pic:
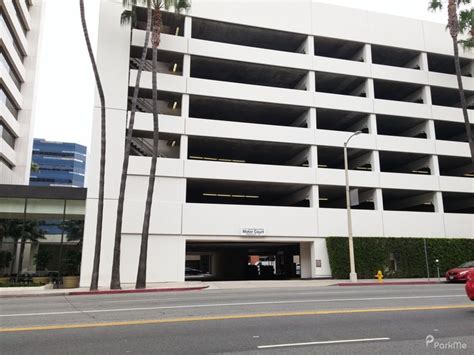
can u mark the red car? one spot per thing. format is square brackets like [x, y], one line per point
[470, 285]
[460, 273]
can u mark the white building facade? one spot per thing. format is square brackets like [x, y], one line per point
[255, 105]
[20, 22]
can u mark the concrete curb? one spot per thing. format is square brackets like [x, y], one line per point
[145, 290]
[104, 292]
[394, 283]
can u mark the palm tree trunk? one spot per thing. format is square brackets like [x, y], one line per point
[453, 24]
[457, 64]
[100, 204]
[15, 249]
[115, 282]
[141, 274]
[20, 257]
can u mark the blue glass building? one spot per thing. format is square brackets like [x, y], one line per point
[59, 164]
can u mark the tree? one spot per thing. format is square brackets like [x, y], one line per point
[461, 22]
[178, 5]
[100, 204]
[20, 231]
[128, 16]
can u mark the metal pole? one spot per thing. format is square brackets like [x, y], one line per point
[426, 259]
[353, 274]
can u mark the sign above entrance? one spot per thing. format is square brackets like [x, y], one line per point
[252, 232]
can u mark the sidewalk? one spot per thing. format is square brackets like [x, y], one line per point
[211, 285]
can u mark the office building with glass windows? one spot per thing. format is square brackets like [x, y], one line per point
[20, 22]
[255, 106]
[58, 164]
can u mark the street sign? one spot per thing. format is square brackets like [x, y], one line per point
[252, 231]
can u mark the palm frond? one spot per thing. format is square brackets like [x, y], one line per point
[126, 17]
[435, 5]
[466, 20]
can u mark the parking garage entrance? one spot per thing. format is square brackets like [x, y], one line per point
[242, 261]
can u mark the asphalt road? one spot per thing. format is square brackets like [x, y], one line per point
[387, 319]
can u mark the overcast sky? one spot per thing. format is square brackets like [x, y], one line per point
[65, 82]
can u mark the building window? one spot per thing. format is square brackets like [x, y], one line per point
[7, 135]
[8, 30]
[8, 68]
[6, 163]
[16, 7]
[8, 102]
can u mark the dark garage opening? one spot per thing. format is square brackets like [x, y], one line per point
[242, 261]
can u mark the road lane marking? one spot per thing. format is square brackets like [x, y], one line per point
[231, 317]
[322, 343]
[111, 310]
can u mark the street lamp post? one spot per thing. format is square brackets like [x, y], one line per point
[353, 274]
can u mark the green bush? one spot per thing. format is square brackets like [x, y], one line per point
[373, 254]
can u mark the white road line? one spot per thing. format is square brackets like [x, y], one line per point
[322, 343]
[111, 310]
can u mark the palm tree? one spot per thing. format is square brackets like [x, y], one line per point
[100, 204]
[178, 5]
[20, 231]
[128, 16]
[458, 25]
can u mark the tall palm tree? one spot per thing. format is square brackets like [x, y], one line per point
[20, 231]
[458, 25]
[100, 205]
[178, 5]
[128, 16]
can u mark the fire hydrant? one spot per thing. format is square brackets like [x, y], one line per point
[379, 276]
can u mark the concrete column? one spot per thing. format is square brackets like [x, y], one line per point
[188, 26]
[367, 53]
[310, 46]
[370, 88]
[426, 95]
[430, 129]
[378, 200]
[311, 83]
[372, 123]
[187, 66]
[438, 202]
[308, 260]
[314, 259]
[424, 61]
[185, 106]
[375, 161]
[183, 148]
[313, 157]
[314, 196]
[311, 120]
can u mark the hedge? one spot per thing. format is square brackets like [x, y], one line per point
[373, 254]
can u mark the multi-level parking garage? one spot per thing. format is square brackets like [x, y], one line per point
[254, 110]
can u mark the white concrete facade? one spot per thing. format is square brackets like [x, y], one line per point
[19, 42]
[411, 183]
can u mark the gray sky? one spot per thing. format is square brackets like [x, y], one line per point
[65, 82]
